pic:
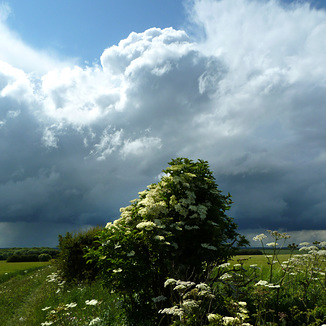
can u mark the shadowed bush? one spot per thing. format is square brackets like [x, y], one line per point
[22, 258]
[71, 261]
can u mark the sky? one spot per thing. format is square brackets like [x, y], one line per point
[97, 97]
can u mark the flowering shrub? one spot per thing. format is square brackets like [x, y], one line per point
[176, 228]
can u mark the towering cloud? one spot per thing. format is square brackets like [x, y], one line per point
[247, 93]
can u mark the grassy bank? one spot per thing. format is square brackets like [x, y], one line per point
[39, 297]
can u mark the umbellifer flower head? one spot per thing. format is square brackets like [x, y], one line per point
[259, 237]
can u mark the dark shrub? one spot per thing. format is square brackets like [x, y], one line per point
[249, 252]
[22, 258]
[44, 257]
[71, 261]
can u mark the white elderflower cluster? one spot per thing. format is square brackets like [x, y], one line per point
[147, 225]
[92, 302]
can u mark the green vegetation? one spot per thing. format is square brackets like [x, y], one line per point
[172, 230]
[20, 266]
[71, 261]
[28, 254]
[171, 259]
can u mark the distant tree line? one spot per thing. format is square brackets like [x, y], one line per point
[28, 254]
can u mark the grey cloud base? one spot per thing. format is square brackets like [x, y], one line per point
[79, 143]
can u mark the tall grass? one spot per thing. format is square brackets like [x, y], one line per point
[39, 297]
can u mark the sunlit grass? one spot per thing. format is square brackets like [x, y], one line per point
[19, 266]
[30, 299]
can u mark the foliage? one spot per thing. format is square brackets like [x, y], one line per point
[22, 258]
[237, 293]
[44, 257]
[176, 228]
[71, 261]
[249, 252]
[5, 253]
[284, 292]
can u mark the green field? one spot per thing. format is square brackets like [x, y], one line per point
[260, 260]
[19, 266]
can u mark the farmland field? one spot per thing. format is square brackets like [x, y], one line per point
[260, 260]
[19, 266]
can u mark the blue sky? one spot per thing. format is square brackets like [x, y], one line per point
[97, 97]
[83, 29]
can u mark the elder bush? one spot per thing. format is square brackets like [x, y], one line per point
[177, 228]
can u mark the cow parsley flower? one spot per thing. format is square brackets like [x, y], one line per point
[273, 286]
[272, 244]
[169, 281]
[189, 304]
[230, 320]
[225, 265]
[225, 276]
[175, 311]
[213, 317]
[261, 282]
[259, 237]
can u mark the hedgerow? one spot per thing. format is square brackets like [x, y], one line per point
[71, 261]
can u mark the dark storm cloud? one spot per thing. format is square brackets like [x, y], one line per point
[79, 143]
